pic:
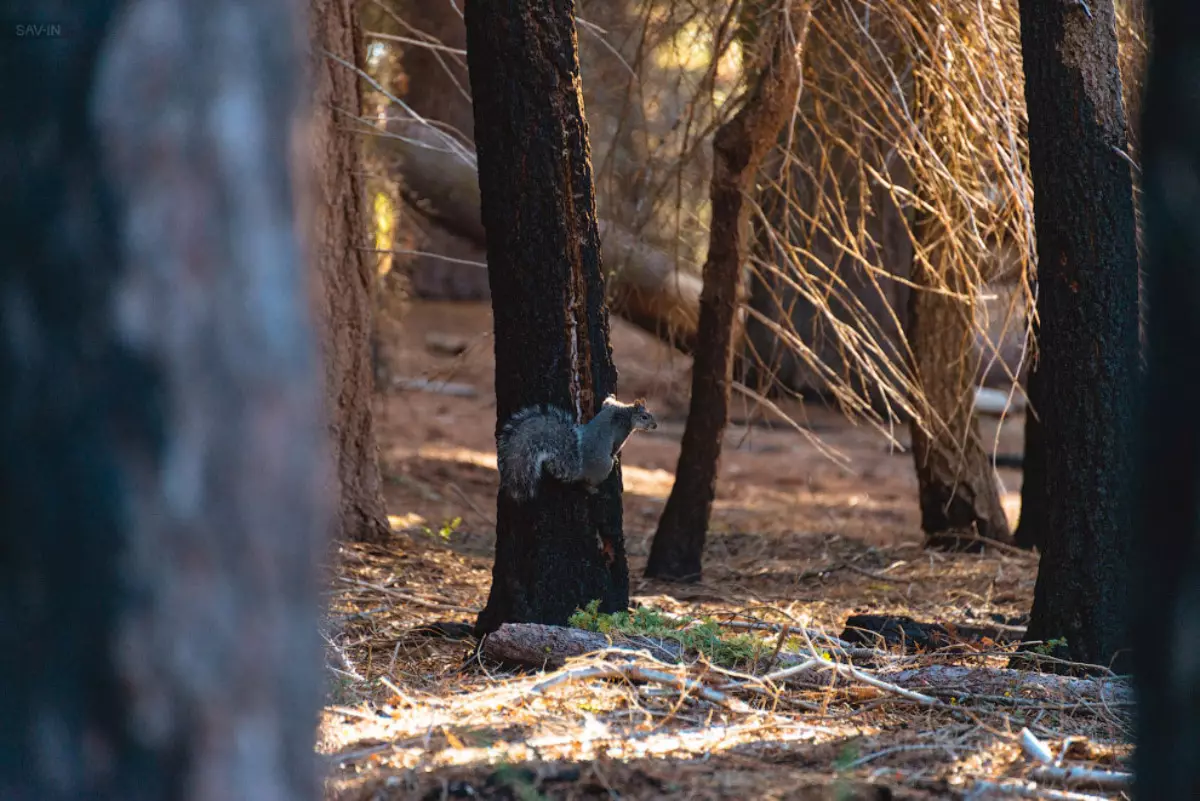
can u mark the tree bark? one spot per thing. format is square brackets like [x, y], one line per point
[1167, 553]
[565, 548]
[162, 453]
[1031, 528]
[338, 233]
[739, 147]
[956, 483]
[1088, 312]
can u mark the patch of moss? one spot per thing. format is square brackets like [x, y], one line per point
[694, 634]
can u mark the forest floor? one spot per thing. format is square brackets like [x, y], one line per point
[795, 539]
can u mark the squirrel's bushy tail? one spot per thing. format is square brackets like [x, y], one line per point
[533, 438]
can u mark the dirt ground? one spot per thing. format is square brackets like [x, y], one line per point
[794, 537]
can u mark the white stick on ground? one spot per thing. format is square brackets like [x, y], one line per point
[1072, 777]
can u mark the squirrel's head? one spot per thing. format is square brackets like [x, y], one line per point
[638, 413]
[642, 419]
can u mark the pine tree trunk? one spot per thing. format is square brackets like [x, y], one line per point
[1031, 528]
[739, 147]
[337, 229]
[161, 435]
[1088, 311]
[1167, 551]
[956, 483]
[565, 548]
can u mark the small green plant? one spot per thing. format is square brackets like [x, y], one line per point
[521, 782]
[448, 528]
[1050, 646]
[704, 636]
[846, 757]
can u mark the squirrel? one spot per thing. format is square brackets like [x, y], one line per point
[547, 437]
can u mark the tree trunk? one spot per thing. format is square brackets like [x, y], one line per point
[1031, 528]
[162, 450]
[1088, 312]
[338, 227]
[956, 484]
[739, 147]
[1167, 552]
[566, 547]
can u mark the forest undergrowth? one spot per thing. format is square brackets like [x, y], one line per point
[747, 684]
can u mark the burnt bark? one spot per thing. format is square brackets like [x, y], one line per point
[1031, 527]
[1166, 619]
[566, 547]
[162, 453]
[739, 147]
[1088, 311]
[338, 233]
[957, 487]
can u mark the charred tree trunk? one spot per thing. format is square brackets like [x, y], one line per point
[1167, 552]
[161, 438]
[1031, 528]
[1088, 312]
[566, 547]
[338, 226]
[739, 147]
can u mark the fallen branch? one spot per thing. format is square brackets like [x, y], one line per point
[1024, 789]
[635, 672]
[966, 682]
[1047, 770]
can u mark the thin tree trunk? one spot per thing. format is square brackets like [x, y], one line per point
[739, 147]
[1088, 312]
[1167, 551]
[956, 483]
[162, 452]
[338, 234]
[957, 488]
[1031, 528]
[566, 548]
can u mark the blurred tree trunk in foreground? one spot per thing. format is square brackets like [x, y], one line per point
[1167, 587]
[565, 548]
[162, 459]
[1088, 314]
[338, 225]
[957, 487]
[739, 147]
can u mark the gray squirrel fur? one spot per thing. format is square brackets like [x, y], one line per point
[547, 438]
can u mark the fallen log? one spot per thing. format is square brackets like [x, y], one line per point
[537, 645]
[646, 287]
[914, 636]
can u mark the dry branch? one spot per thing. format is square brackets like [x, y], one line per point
[1007, 682]
[1047, 770]
[1024, 789]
